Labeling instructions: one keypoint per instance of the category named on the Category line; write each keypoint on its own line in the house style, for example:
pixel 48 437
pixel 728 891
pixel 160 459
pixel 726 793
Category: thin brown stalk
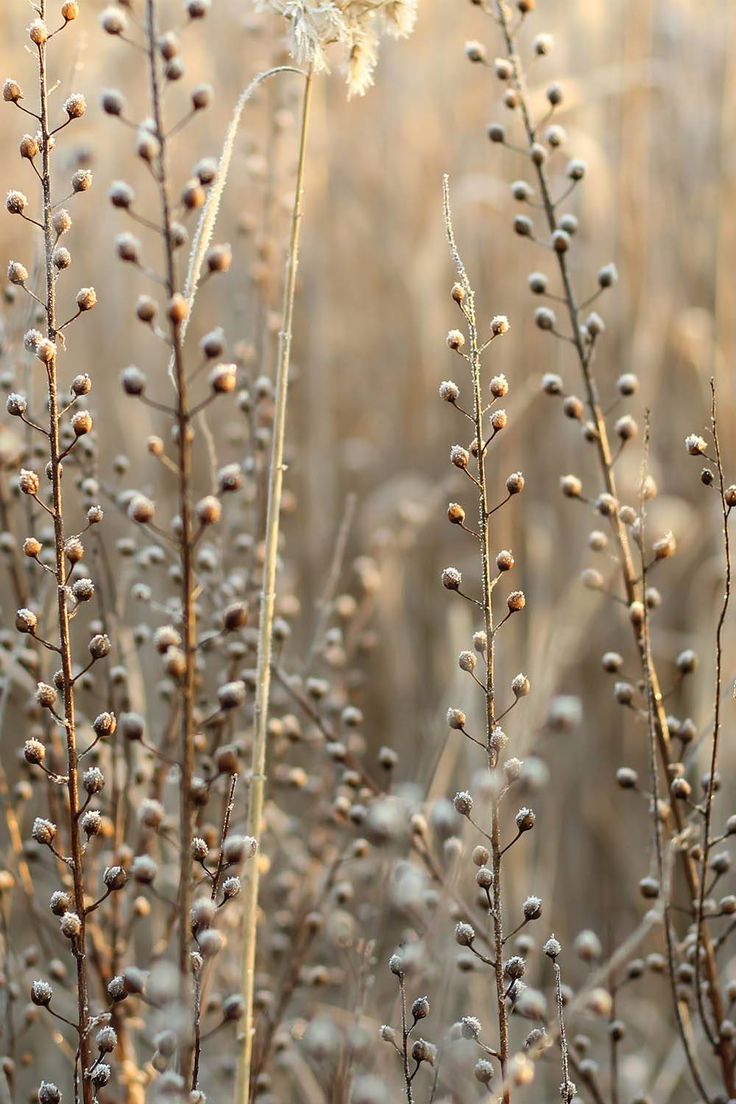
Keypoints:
pixel 184 464
pixel 707 842
pixel 483 536
pixel 669 935
pixel 722 1046
pixel 65 645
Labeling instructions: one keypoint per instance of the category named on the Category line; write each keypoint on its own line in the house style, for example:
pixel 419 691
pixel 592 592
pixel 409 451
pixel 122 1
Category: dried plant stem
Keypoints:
pixel 484 514
pixel 267 604
pixel 707 842
pixel 669 935
pixel 405 1043
pixel 65 645
pixel 632 587
pixel 184 466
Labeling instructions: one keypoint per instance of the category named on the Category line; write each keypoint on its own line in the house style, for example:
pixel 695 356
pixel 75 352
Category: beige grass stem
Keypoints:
pixel 268 598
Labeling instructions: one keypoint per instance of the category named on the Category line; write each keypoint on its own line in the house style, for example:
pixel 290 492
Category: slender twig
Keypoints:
pixel 496 910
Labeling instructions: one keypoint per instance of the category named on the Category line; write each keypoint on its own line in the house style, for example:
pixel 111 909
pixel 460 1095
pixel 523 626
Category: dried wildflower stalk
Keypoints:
pixel 54 222
pixel 583 339
pixel 494 740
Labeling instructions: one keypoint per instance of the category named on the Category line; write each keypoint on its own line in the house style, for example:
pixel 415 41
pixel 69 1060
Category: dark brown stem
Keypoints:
pixel 188 610
pixel 65 646
pixel 496 910
pixel 722 1046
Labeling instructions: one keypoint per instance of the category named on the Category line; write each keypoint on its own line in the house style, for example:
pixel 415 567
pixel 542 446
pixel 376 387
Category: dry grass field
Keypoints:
pixel 368 739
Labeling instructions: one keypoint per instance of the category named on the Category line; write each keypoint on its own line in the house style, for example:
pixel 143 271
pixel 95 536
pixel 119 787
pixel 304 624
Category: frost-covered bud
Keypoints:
pixel 523 226
pixel 144 869
pixel 113 21
pixel 49 1093
pixel 12 91
pixel 231 888
pixel 464 934
pixel 91 823
pixel 26 621
pixel 420 1008
pixel 236 849
pixel 525 819
pixel 576 170
pixel 516 601
pixel 16 202
pixel 86 298
pixel 41 993
pixel 532 908
pixel 470 1027
pixel 83 590
pixel 466 661
pixel 208 510
pixel 17 273
pixel 687 661
pixel 93 780
pixel 463 803
pixel 70 925
pixel 115 878
pixel 106 1040
pixel 552 948
pixel 504 560
pixel 459 456
pixel 82 423
pixel 484 878
pixel 231 695
pixel 665 547
pixel 43 831
pixel 500 325
pixel 45 695
pixel 695 445
pixel 75 105
pixel 81 181
pixel 626 428
pixel 456 718
pixel 515 483
pixel 545 318
pixel 151 813
pixel 449 391
pixel 680 789
pixel 141 509
pixel 34 752
pixel 515 968
pixel 627 778
pixel 475 51
pixel 451 578
pixel 520 685
pixel 29 482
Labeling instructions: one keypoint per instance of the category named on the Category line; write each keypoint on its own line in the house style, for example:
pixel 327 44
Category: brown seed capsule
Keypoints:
pixel 455 513
pixel 201 97
pixel 504 560
pixel 82 180
pixel 141 509
pixel 29 482
pixel 516 601
pixel 178 308
pixel 82 422
pixel 86 298
pixel 219 258
pixel 223 379
pixel 38 32
pixel 28 147
pixel 12 91
pixel 208 510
